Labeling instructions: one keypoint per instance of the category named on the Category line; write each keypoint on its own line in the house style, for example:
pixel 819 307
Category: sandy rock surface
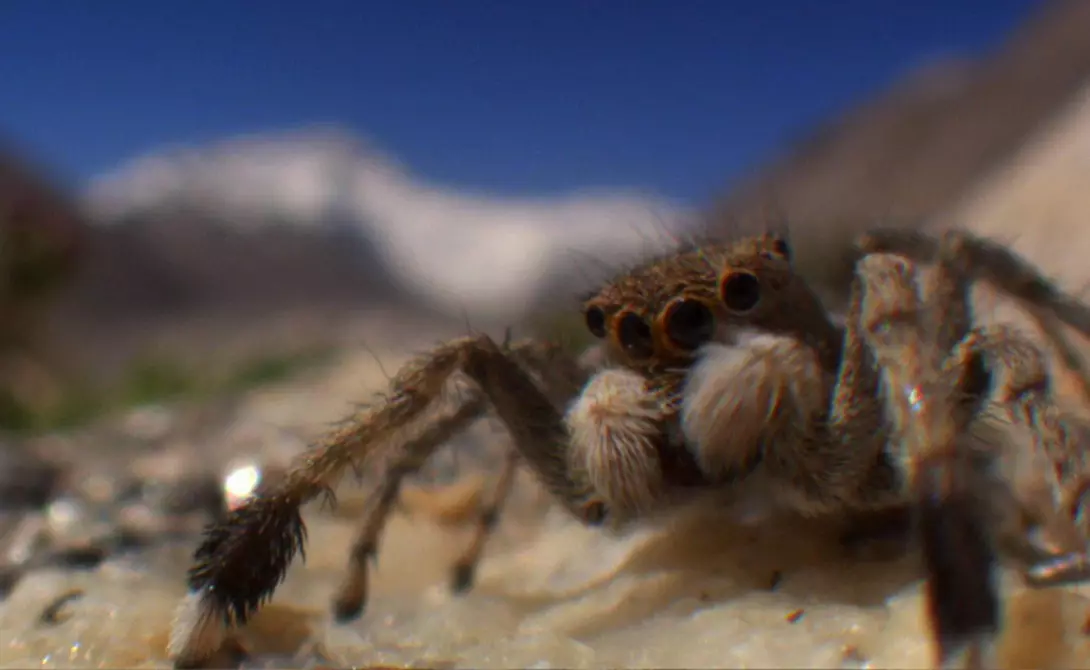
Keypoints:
pixel 701 590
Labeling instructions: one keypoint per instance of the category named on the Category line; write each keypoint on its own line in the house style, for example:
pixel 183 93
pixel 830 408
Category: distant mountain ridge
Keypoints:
pixel 484 254
pixel 173 264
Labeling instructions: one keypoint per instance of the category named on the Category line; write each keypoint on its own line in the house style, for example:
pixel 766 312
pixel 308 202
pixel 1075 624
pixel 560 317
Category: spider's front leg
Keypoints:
pixel 968 507
pixel 930 406
pixel 245 556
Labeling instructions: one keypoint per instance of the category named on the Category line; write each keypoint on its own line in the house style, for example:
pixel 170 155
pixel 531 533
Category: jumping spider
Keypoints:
pixel 718 363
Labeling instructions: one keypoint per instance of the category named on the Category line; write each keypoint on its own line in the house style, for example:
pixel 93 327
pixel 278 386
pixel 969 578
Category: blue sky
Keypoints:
pixel 519 97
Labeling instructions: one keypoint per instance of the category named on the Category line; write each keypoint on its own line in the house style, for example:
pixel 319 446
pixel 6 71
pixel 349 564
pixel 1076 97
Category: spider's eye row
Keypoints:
pixel 688 323
pixel 596 321
pixel 740 291
pixel 634 335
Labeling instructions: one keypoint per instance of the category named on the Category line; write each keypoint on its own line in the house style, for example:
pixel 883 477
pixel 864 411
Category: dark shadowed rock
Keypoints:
pixel 26 480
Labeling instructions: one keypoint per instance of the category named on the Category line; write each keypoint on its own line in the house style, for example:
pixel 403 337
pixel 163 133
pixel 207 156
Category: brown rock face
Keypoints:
pixel 42 243
pixel 42 235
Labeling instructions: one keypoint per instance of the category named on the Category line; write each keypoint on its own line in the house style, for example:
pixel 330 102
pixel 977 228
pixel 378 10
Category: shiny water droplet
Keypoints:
pixel 915 398
pixel 240 483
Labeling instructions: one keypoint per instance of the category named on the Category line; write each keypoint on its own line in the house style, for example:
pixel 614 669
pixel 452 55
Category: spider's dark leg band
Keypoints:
pixel 960 560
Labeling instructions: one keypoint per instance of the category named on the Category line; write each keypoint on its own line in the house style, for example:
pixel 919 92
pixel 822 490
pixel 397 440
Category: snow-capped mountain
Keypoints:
pixel 464 251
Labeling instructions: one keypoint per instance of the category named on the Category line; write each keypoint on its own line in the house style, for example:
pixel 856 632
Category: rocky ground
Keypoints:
pixel 97 553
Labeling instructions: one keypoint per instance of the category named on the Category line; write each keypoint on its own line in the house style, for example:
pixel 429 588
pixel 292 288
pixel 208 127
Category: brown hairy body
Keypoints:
pixel 714 364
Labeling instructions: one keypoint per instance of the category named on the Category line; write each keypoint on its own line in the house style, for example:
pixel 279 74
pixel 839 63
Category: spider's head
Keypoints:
pixel 658 315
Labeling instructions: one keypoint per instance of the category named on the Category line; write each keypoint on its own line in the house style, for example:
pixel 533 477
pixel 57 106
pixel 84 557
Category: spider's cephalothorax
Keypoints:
pixel 713 363
pixel 658 315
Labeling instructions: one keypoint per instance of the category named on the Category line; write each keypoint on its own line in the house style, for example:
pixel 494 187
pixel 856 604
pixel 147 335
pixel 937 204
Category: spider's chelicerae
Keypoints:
pixel 716 364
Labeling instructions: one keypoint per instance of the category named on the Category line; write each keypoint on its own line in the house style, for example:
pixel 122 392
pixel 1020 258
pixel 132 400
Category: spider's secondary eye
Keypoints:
pixel 634 335
pixel 780 246
pixel 688 323
pixel 596 321
pixel 780 250
pixel 740 291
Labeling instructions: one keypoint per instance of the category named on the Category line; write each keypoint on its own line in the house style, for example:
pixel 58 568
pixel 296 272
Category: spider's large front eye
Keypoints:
pixel 740 291
pixel 634 335
pixel 688 323
pixel 596 321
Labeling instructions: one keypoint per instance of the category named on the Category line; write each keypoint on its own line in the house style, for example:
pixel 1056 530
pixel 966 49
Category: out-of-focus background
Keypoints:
pixel 225 190
pixel 224 224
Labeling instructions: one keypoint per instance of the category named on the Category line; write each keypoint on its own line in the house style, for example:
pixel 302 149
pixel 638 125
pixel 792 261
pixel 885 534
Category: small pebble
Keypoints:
pixel 9 577
pixel 853 657
pixel 87 557
pixel 23 536
pixel 794 616
pixel 99 488
pixel 149 422
pixel 51 615
pixel 26 481
pixel 66 515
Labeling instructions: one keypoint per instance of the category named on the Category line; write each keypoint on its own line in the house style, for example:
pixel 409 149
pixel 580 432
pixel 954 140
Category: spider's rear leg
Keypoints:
pixel 352 593
pixel 1070 568
pixel 351 596
pixel 1048 539
pixel 560 377
pixel 930 421
pixel 488 517
pixel 1059 563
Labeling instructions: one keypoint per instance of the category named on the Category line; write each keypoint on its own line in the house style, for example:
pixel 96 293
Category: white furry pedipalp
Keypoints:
pixel 615 424
pixel 738 395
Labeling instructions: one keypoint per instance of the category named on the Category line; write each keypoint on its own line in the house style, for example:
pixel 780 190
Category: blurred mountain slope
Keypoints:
pixel 913 152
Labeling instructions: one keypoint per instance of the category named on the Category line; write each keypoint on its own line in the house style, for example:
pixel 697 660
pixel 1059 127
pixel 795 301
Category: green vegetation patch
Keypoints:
pixel 153 379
